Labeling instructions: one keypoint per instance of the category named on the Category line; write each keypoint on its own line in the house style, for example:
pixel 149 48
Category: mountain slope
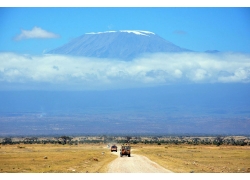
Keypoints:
pixel 124 45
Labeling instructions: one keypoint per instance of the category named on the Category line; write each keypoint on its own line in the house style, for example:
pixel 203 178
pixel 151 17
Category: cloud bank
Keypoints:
pixel 81 73
pixel 36 32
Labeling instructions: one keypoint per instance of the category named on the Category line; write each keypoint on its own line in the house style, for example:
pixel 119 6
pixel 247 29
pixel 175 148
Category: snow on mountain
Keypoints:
pixel 144 33
pixel 124 45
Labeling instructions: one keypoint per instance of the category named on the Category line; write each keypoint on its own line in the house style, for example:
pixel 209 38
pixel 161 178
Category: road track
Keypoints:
pixel 135 164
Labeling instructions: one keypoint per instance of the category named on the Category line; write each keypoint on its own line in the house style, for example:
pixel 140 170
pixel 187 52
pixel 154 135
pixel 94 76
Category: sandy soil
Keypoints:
pixel 135 164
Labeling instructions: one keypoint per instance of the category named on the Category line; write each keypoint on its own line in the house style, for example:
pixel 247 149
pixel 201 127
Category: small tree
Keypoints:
pixel 7 141
pixel 218 141
pixel 196 141
pixel 128 138
pixel 64 139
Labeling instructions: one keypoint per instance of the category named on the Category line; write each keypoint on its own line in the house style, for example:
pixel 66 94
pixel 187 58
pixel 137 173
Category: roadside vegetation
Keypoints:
pixel 197 158
pixel 54 158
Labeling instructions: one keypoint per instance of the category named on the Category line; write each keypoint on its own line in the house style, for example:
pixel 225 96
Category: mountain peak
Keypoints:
pixel 123 45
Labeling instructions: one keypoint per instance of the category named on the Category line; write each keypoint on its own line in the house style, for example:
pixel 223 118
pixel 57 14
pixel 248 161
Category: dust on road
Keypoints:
pixel 135 164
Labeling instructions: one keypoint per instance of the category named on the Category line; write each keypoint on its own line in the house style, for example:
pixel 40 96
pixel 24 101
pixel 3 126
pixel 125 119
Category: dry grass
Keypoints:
pixel 198 159
pixel 96 157
pixel 54 158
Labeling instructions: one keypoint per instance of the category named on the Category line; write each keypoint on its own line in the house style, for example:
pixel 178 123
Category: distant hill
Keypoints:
pixel 124 45
pixel 212 51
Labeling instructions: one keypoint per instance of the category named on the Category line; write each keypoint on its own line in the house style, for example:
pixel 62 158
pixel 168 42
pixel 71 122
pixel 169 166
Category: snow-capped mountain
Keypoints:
pixel 124 44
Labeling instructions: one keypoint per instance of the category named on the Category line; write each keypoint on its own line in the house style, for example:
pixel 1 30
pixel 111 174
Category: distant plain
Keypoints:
pixel 201 109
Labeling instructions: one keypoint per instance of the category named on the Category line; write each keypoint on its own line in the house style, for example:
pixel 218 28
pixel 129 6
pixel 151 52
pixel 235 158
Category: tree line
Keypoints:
pixel 132 140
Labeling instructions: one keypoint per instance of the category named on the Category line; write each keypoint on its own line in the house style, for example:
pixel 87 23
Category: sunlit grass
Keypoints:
pixel 92 158
pixel 199 158
pixel 55 158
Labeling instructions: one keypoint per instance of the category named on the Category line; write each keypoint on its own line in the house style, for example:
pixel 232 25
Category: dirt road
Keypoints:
pixel 135 164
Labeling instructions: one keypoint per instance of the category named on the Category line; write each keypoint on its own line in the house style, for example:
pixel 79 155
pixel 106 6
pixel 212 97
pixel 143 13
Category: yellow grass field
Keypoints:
pixel 48 158
pixel 198 158
pixel 94 158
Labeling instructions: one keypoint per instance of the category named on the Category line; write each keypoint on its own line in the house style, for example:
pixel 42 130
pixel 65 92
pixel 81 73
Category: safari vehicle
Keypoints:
pixel 114 148
pixel 125 150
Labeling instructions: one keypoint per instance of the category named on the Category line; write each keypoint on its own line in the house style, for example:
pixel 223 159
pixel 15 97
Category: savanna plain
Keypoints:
pixel 95 158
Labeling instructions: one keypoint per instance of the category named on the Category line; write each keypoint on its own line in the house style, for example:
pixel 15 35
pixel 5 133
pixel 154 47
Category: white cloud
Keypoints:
pixel 239 75
pixel 36 32
pixel 67 72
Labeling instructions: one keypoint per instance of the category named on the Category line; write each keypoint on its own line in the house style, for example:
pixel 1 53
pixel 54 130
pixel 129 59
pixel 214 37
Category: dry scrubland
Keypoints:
pixel 50 158
pixel 198 158
pixel 92 158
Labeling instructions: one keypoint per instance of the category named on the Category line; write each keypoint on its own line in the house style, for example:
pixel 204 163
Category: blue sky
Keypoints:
pixel 198 29
pixel 28 33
